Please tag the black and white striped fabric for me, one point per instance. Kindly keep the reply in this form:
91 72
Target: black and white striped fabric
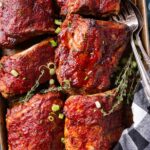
137 137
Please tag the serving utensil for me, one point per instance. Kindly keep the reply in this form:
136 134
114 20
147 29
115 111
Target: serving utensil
137 34
128 16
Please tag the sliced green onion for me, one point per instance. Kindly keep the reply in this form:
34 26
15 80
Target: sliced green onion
52 82
55 108
58 30
61 116
98 104
52 72
51 118
63 140
86 78
14 73
53 43
58 22
51 65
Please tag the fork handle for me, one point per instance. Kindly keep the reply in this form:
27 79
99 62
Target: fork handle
145 56
143 72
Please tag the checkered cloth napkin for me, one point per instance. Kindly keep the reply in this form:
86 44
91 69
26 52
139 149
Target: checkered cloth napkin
137 137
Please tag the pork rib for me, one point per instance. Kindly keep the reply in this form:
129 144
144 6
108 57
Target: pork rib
89 7
29 126
88 53
27 66
22 19
85 126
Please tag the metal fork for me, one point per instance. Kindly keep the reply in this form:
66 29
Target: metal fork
138 39
128 17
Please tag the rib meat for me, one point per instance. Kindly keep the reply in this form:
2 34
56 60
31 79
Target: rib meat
27 65
29 127
89 7
86 128
88 53
23 19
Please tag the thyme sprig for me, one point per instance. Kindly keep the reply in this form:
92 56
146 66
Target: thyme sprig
51 67
35 86
66 86
122 83
123 79
54 89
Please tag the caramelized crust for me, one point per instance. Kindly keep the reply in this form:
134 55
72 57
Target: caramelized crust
86 128
89 52
27 64
89 7
29 127
23 19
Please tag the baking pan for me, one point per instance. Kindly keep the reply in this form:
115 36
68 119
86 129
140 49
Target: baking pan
145 34
145 38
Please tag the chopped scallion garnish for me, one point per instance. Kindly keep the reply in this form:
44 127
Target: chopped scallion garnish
52 82
14 73
86 78
58 30
51 118
55 108
61 116
51 65
53 43
58 22
52 72
98 104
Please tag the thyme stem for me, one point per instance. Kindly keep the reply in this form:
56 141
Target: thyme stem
36 85
122 82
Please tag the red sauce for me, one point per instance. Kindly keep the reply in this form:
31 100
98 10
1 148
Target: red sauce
88 53
28 125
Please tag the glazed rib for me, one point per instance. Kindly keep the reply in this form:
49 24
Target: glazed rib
27 65
88 53
22 19
29 127
86 128
89 7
